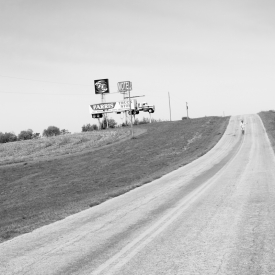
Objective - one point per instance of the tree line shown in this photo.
(111, 123)
(55, 131)
(29, 134)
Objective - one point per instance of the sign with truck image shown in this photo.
(121, 106)
(113, 107)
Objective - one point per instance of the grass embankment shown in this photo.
(268, 119)
(40, 192)
(43, 148)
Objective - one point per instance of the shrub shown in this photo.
(25, 135)
(64, 132)
(111, 123)
(7, 137)
(51, 131)
(36, 135)
(125, 124)
(144, 121)
(88, 127)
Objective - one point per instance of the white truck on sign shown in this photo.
(145, 107)
(96, 110)
(113, 107)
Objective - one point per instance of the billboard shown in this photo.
(110, 107)
(124, 86)
(101, 86)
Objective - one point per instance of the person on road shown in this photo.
(242, 126)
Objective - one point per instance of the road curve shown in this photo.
(215, 215)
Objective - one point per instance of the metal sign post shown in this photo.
(187, 109)
(99, 125)
(132, 130)
(102, 87)
(169, 105)
(124, 87)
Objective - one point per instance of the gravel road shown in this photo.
(215, 215)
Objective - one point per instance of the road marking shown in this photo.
(129, 251)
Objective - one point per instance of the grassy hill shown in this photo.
(268, 119)
(44, 148)
(41, 190)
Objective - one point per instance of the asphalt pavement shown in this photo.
(215, 215)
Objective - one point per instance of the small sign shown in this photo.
(103, 106)
(101, 86)
(110, 107)
(124, 86)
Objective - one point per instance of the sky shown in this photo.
(216, 55)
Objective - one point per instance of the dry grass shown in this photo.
(268, 119)
(26, 150)
(39, 192)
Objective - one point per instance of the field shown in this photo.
(43, 189)
(38, 149)
(268, 119)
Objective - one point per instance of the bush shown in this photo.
(125, 124)
(36, 135)
(51, 131)
(64, 132)
(88, 127)
(7, 137)
(111, 123)
(25, 135)
(144, 121)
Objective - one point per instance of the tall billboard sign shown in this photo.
(113, 107)
(101, 86)
(124, 86)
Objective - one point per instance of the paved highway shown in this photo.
(215, 215)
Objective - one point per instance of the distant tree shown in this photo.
(144, 121)
(111, 123)
(88, 127)
(7, 137)
(35, 135)
(125, 124)
(26, 134)
(51, 131)
(64, 132)
(136, 122)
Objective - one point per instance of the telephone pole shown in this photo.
(169, 105)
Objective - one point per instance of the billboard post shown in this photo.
(102, 87)
(169, 105)
(131, 115)
(124, 87)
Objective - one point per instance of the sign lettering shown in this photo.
(103, 106)
(124, 86)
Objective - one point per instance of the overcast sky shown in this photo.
(219, 56)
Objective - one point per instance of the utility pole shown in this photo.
(169, 105)
(187, 109)
(104, 114)
(132, 130)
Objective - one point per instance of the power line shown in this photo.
(55, 82)
(24, 93)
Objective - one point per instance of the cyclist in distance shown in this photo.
(242, 126)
